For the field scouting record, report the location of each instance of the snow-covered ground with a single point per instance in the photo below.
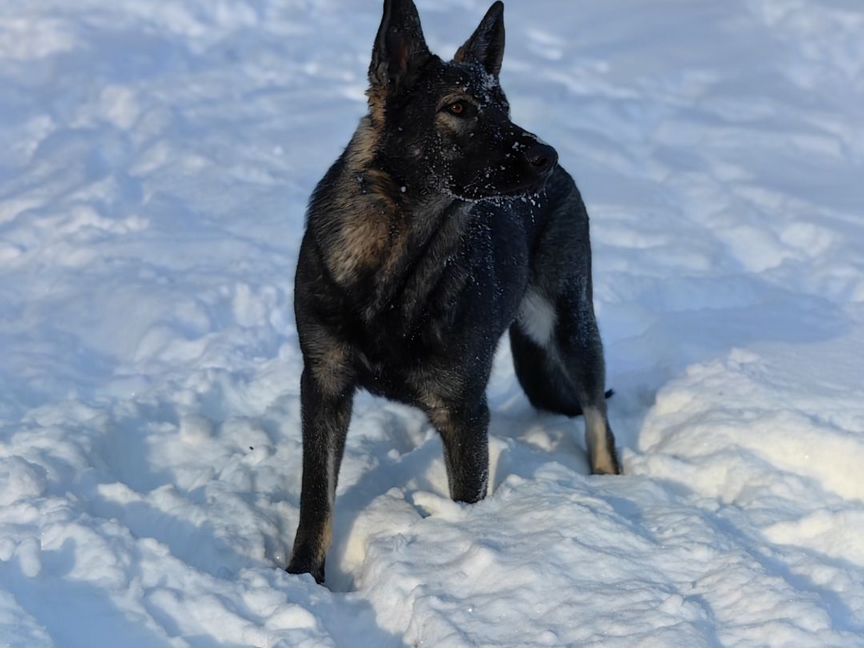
(155, 160)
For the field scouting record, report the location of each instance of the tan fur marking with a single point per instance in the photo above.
(326, 539)
(435, 387)
(330, 363)
(359, 244)
(364, 144)
(377, 101)
(360, 236)
(599, 453)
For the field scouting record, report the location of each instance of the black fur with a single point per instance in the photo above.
(441, 225)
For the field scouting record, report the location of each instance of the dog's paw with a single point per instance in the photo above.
(301, 566)
(608, 466)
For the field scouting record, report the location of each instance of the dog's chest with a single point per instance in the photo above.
(453, 311)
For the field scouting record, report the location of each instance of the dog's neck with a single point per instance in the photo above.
(380, 240)
(419, 257)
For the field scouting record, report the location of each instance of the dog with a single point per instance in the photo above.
(442, 225)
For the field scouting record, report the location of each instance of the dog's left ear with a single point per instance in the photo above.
(486, 45)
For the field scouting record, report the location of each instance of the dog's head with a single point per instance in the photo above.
(445, 126)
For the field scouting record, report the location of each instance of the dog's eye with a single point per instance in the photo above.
(458, 108)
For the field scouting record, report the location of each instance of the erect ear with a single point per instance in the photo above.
(400, 48)
(486, 45)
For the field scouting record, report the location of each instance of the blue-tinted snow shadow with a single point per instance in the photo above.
(640, 365)
(412, 469)
(75, 613)
(200, 547)
(780, 561)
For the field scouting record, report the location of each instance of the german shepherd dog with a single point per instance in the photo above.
(440, 226)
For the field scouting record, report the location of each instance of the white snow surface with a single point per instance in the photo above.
(155, 161)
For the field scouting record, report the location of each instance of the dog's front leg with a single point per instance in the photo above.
(464, 431)
(325, 417)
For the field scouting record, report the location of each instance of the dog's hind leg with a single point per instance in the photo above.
(544, 383)
(325, 415)
(558, 357)
(578, 350)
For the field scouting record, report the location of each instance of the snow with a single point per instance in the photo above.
(155, 161)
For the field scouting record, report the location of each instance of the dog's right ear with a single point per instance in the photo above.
(400, 48)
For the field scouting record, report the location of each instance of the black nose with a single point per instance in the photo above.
(541, 157)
